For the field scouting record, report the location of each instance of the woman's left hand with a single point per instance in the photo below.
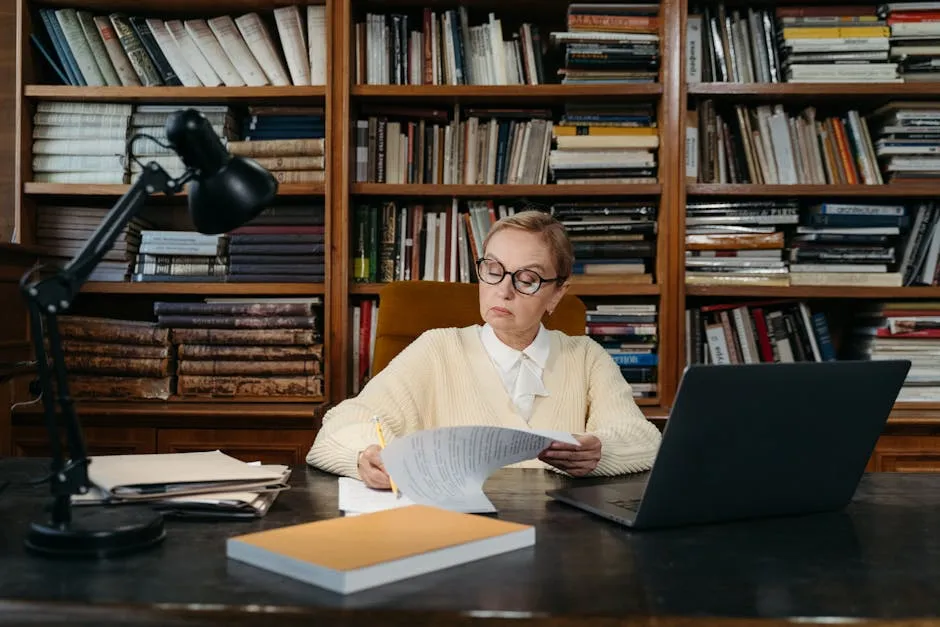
(576, 460)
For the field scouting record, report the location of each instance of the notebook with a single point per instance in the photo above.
(351, 554)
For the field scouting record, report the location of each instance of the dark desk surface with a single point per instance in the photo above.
(878, 559)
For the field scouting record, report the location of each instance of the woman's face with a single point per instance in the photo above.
(501, 305)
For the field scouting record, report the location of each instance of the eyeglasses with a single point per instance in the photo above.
(524, 281)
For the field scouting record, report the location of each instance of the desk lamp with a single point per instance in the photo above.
(224, 193)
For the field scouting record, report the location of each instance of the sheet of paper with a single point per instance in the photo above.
(356, 498)
(447, 467)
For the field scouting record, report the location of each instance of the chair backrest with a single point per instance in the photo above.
(409, 308)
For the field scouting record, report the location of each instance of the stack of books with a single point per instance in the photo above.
(907, 140)
(112, 359)
(615, 246)
(833, 44)
(442, 48)
(80, 142)
(776, 331)
(730, 243)
(605, 144)
(915, 32)
(284, 244)
(613, 241)
(121, 50)
(610, 43)
(64, 231)
(246, 348)
(278, 133)
(180, 256)
(848, 244)
(903, 330)
(150, 119)
(629, 334)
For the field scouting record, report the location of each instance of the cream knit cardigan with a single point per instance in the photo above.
(446, 378)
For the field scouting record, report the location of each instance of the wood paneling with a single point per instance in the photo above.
(8, 97)
(34, 441)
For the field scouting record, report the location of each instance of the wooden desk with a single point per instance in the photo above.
(879, 559)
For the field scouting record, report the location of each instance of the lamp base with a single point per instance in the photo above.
(98, 532)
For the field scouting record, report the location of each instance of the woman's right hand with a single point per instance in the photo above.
(372, 470)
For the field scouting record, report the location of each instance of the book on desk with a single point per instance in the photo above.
(351, 554)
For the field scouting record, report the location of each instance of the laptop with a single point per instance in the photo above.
(755, 440)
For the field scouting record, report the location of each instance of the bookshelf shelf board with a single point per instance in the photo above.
(503, 191)
(255, 95)
(505, 92)
(647, 402)
(812, 90)
(907, 413)
(187, 414)
(75, 189)
(199, 289)
(579, 289)
(865, 191)
(814, 291)
(612, 288)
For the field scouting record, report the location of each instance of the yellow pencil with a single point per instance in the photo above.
(378, 430)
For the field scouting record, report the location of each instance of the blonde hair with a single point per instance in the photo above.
(552, 231)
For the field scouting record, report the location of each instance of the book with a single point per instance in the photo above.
(348, 555)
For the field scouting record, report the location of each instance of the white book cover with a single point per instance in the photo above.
(237, 51)
(207, 43)
(290, 27)
(261, 44)
(193, 55)
(173, 54)
(316, 40)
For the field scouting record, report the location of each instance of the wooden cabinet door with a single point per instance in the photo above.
(287, 446)
(34, 441)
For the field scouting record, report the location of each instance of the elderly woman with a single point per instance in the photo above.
(511, 371)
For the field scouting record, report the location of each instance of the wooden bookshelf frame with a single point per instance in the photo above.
(340, 97)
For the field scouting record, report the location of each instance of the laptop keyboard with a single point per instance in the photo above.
(628, 504)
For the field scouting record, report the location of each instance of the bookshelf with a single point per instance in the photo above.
(911, 441)
(345, 99)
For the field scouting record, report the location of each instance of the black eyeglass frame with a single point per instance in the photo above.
(512, 277)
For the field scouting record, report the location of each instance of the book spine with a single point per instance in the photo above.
(136, 53)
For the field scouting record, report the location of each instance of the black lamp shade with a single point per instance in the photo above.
(234, 195)
(226, 191)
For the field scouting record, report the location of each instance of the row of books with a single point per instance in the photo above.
(766, 144)
(610, 43)
(284, 244)
(398, 241)
(218, 348)
(590, 144)
(780, 331)
(781, 242)
(90, 142)
(885, 43)
(122, 50)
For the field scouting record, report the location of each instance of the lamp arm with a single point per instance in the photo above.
(45, 299)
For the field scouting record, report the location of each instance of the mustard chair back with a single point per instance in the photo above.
(409, 308)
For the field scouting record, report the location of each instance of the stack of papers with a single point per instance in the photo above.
(447, 467)
(207, 484)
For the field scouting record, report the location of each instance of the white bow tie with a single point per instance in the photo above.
(529, 380)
